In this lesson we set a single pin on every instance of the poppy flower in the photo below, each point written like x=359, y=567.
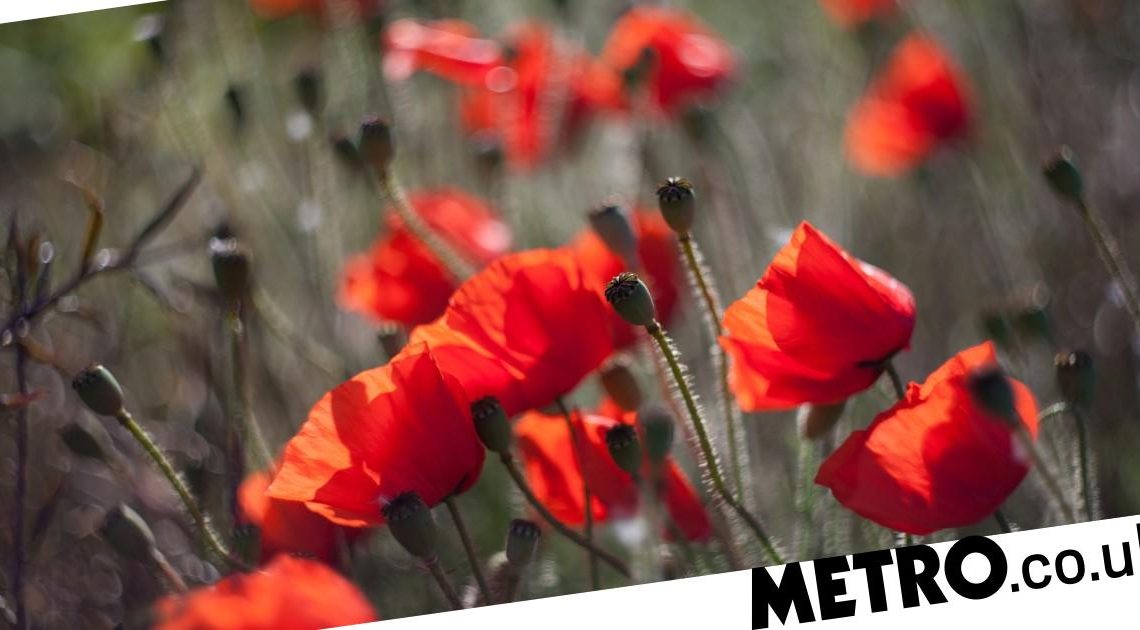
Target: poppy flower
x=817, y=328
x=917, y=103
x=526, y=329
x=852, y=13
x=658, y=251
x=936, y=459
x=689, y=62
x=450, y=48
x=287, y=594
x=555, y=474
x=288, y=526
x=402, y=427
x=401, y=280
x=277, y=9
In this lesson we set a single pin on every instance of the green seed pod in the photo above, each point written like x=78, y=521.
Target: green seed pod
x=128, y=534
x=491, y=424
x=624, y=447
x=631, y=299
x=819, y=419
x=99, y=390
x=232, y=263
x=621, y=385
x=345, y=150
x=1063, y=175
x=992, y=392
x=677, y=201
x=309, y=90
x=612, y=224
x=411, y=523
x=81, y=442
x=235, y=103
x=1076, y=377
x=376, y=144
x=657, y=429
x=522, y=542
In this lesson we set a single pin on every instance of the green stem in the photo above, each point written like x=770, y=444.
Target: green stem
x=209, y=536
x=444, y=585
x=896, y=381
x=712, y=317
x=451, y=260
x=1002, y=521
x=469, y=548
x=246, y=420
x=1113, y=260
x=616, y=563
x=587, y=496
x=1026, y=441
x=1083, y=461
x=707, y=453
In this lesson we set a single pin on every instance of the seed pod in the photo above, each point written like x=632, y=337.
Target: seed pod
x=819, y=419
x=128, y=534
x=411, y=523
x=309, y=92
x=81, y=442
x=1076, y=377
x=99, y=390
x=625, y=449
x=611, y=223
x=677, y=201
x=231, y=261
x=631, y=299
x=1063, y=175
x=522, y=541
x=657, y=428
x=235, y=103
x=376, y=145
x=491, y=424
x=621, y=385
x=992, y=392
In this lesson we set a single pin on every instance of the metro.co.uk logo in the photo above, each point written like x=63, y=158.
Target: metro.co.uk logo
x=972, y=568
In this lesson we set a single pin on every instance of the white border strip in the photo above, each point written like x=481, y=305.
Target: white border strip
x=17, y=10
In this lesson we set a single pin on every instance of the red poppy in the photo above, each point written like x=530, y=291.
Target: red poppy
x=918, y=102
x=555, y=474
x=402, y=427
x=287, y=594
x=690, y=62
x=851, y=13
x=276, y=9
x=288, y=526
x=527, y=329
x=450, y=48
x=817, y=328
x=401, y=280
x=658, y=251
x=936, y=459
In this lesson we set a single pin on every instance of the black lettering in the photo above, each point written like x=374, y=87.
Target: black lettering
x=780, y=598
x=1065, y=579
x=910, y=581
x=872, y=562
x=829, y=587
x=1111, y=572
x=957, y=556
x=1030, y=582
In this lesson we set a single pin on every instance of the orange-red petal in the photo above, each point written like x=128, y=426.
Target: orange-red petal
x=851, y=13
x=288, y=526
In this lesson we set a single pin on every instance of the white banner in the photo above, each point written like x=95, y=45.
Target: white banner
x=1071, y=576
x=17, y=10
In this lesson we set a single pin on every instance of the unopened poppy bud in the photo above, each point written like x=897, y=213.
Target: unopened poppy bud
x=1063, y=175
x=522, y=541
x=376, y=145
x=611, y=223
x=621, y=385
x=1076, y=377
x=99, y=390
x=80, y=442
x=677, y=202
x=308, y=86
x=231, y=262
x=491, y=424
x=345, y=150
x=818, y=419
x=128, y=534
x=631, y=299
x=992, y=392
x=625, y=449
x=657, y=427
x=411, y=524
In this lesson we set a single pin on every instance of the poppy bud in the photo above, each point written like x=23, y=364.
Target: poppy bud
x=630, y=298
x=345, y=150
x=1063, y=175
x=376, y=145
x=621, y=440
x=677, y=202
x=491, y=424
x=657, y=426
x=992, y=392
x=621, y=385
x=80, y=442
x=99, y=390
x=411, y=524
x=637, y=72
x=308, y=86
x=128, y=534
x=819, y=419
x=1076, y=377
x=611, y=223
x=522, y=541
x=231, y=261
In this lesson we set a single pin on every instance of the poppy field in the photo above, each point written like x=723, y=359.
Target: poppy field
x=319, y=312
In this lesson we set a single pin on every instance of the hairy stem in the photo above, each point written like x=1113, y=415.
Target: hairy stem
x=1083, y=462
x=1051, y=484
x=444, y=585
x=246, y=420
x=469, y=548
x=1113, y=260
x=451, y=260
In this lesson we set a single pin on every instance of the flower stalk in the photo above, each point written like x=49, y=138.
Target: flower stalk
x=587, y=496
x=468, y=548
